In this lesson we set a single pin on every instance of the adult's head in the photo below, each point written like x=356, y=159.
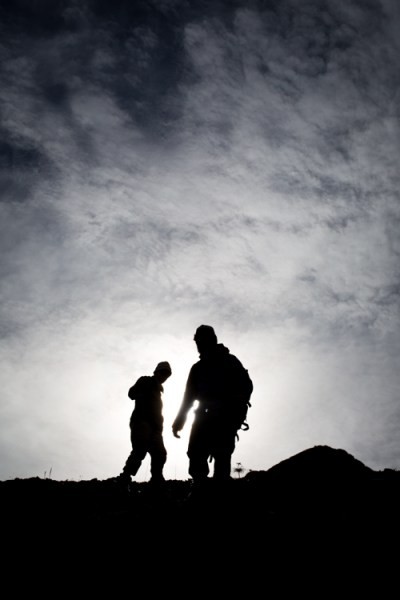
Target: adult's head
x=205, y=338
x=162, y=371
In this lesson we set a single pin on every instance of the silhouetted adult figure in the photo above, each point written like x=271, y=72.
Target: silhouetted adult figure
x=146, y=424
x=222, y=387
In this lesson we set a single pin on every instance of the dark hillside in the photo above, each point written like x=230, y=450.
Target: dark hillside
x=318, y=504
x=315, y=482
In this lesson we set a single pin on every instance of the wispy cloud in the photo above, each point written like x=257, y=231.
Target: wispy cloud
x=163, y=165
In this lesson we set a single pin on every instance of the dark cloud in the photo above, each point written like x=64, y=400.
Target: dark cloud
x=146, y=43
x=137, y=54
x=22, y=166
x=133, y=51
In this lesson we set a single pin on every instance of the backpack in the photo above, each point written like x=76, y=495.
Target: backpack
x=241, y=389
x=224, y=380
x=245, y=395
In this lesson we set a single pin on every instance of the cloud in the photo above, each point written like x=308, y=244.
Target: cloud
x=167, y=164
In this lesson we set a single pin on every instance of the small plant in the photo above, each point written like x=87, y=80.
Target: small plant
x=45, y=474
x=239, y=469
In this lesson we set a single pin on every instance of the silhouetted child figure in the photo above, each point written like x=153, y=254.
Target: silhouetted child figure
x=146, y=424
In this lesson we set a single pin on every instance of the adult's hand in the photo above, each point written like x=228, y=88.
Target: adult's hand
x=175, y=431
x=177, y=425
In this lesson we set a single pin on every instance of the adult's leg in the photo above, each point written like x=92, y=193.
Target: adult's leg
x=222, y=465
x=199, y=449
x=223, y=447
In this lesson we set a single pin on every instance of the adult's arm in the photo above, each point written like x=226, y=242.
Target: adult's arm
x=188, y=399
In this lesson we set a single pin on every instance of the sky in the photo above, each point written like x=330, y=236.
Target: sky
x=171, y=163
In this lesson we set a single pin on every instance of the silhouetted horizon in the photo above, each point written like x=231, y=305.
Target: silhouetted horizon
x=320, y=513
x=317, y=461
